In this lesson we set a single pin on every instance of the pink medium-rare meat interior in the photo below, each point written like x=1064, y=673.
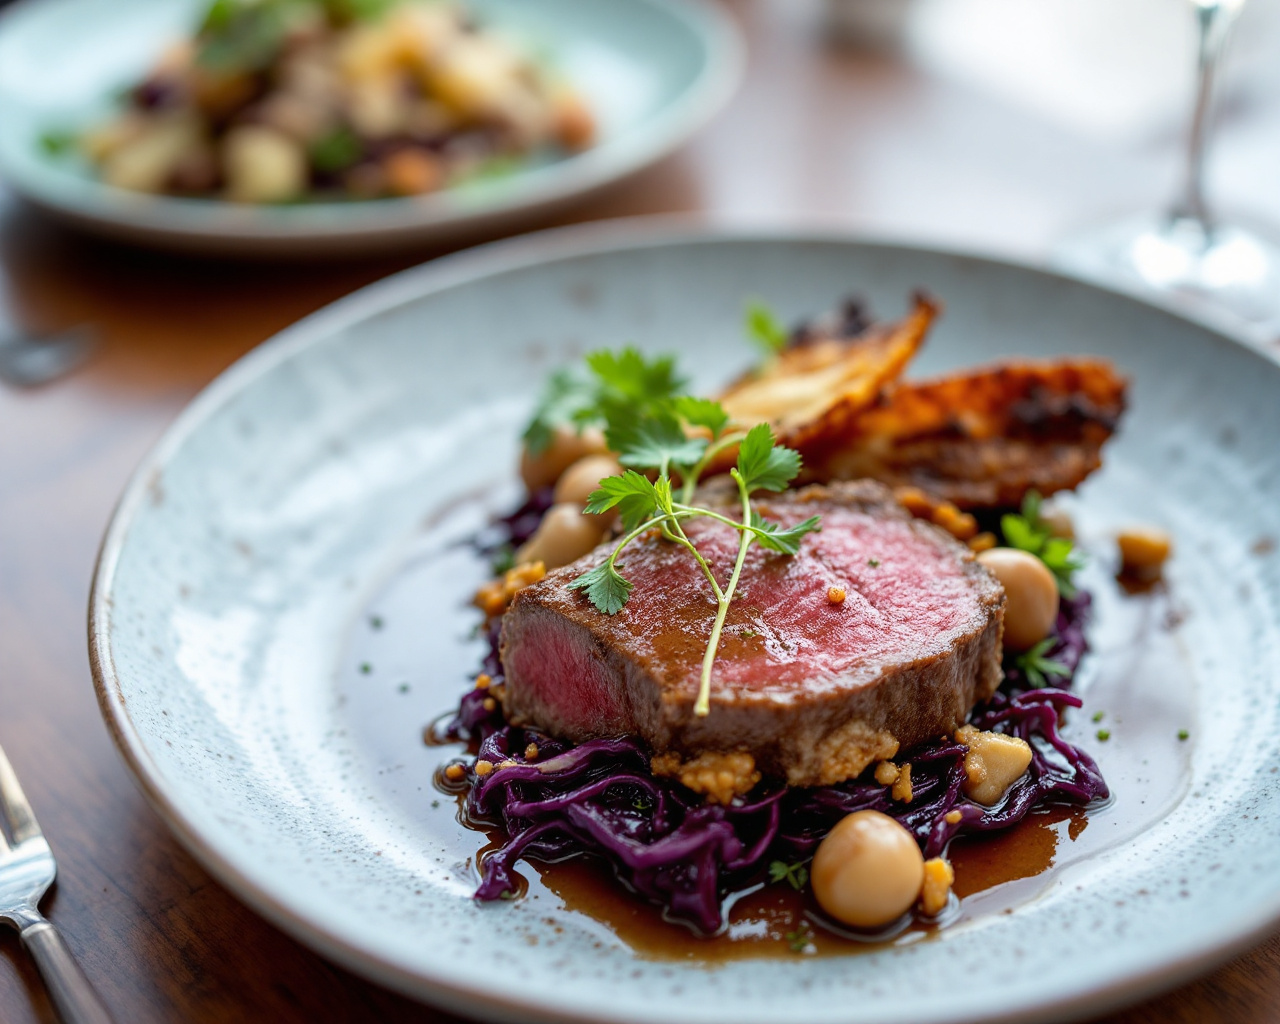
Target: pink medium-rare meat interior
x=905, y=599
x=560, y=671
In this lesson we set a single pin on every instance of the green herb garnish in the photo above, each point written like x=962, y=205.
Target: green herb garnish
x=1103, y=735
x=239, y=37
x=1037, y=668
x=504, y=560
x=358, y=10
x=796, y=875
x=336, y=151
x=1098, y=716
x=1183, y=734
x=1028, y=532
x=652, y=427
x=622, y=383
x=764, y=328
x=800, y=940
x=57, y=143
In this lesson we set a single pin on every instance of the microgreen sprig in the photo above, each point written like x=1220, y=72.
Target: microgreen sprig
x=652, y=429
x=1030, y=533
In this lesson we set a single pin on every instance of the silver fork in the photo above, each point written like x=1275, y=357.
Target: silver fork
x=27, y=870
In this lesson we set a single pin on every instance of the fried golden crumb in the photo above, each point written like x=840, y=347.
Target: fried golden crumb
x=455, y=772
x=939, y=876
x=531, y=752
x=982, y=542
x=490, y=704
x=836, y=595
x=902, y=785
x=483, y=768
x=505, y=764
x=483, y=681
x=914, y=501
x=719, y=777
x=953, y=817
x=494, y=597
x=960, y=525
x=887, y=773
x=922, y=505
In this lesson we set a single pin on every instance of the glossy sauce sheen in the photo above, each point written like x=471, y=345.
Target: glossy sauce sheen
x=778, y=920
x=398, y=676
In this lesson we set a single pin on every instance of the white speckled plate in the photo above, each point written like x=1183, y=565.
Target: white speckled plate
x=653, y=72
x=328, y=478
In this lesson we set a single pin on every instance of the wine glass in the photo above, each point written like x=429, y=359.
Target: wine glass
x=1185, y=253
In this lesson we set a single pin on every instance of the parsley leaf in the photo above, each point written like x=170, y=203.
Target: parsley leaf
x=763, y=464
x=620, y=386
x=764, y=328
x=702, y=412
x=606, y=588
x=772, y=536
x=1028, y=532
x=1037, y=668
x=652, y=442
x=631, y=494
x=565, y=399
x=795, y=874
x=628, y=377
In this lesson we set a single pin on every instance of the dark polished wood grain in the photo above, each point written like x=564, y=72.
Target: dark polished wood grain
x=818, y=134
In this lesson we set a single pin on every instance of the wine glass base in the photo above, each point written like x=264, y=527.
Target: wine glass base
x=1224, y=270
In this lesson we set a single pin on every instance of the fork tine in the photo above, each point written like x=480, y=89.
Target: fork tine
x=14, y=802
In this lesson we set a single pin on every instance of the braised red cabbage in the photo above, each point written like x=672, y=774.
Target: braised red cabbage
x=685, y=855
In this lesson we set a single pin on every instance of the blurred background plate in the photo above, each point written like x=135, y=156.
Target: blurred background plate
x=313, y=504
x=653, y=72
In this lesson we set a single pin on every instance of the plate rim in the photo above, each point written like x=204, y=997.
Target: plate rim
x=491, y=259
x=184, y=223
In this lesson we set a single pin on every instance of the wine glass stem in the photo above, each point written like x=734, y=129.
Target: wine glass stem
x=1213, y=22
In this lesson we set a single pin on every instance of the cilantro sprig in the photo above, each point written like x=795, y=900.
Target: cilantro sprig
x=673, y=438
x=1029, y=532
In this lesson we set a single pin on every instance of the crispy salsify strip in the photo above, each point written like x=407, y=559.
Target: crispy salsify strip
x=980, y=439
x=816, y=388
x=977, y=439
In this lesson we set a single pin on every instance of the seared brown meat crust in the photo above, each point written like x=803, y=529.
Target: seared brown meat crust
x=813, y=692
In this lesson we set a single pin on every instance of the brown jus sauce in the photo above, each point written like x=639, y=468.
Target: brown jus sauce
x=1137, y=689
x=775, y=920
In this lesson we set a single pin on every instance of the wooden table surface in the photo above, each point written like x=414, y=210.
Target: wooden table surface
x=818, y=133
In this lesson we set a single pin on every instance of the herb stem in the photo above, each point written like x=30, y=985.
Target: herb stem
x=695, y=474
x=683, y=538
x=685, y=512
x=702, y=707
